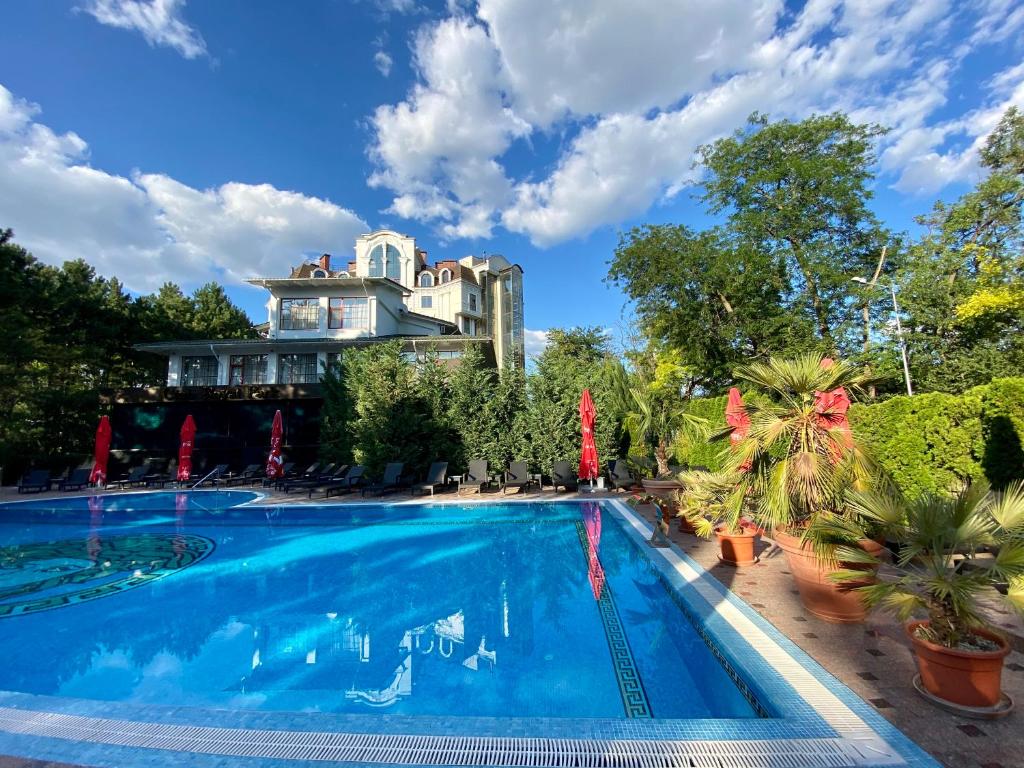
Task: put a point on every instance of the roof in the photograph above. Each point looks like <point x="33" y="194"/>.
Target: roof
<point x="258" y="345"/>
<point x="325" y="282"/>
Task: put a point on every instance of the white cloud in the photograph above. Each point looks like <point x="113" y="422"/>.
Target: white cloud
<point x="382" y="61"/>
<point x="150" y="228"/>
<point x="159" y="21"/>
<point x="638" y="85"/>
<point x="535" y="342"/>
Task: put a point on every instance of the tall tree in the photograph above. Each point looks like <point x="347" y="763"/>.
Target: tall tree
<point x="216" y="316"/>
<point x="963" y="284"/>
<point x="471" y="383"/>
<point x="799" y="193"/>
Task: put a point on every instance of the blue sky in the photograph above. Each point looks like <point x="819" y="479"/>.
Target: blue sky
<point x="165" y="140"/>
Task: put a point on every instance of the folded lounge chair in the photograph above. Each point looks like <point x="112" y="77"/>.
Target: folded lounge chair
<point x="287" y="473"/>
<point x="437" y="475"/>
<point x="35" y="481"/>
<point x="518" y="476"/>
<point x="76" y="480"/>
<point x="476" y="476"/>
<point x="352" y="480"/>
<point x="619" y="475"/>
<point x="390" y="481"/>
<point x="562" y="476"/>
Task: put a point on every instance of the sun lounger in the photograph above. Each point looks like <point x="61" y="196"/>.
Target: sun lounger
<point x="76" y="480"/>
<point x="619" y="475"/>
<point x="135" y="477"/>
<point x="476" y="476"/>
<point x="517" y="476"/>
<point x="35" y="481"/>
<point x="352" y="480"/>
<point x="389" y="482"/>
<point x="247" y="475"/>
<point x="302" y="483"/>
<point x="437" y="475"/>
<point x="287" y="473"/>
<point x="214" y="477"/>
<point x="562" y="476"/>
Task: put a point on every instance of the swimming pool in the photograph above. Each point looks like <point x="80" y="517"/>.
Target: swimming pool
<point x="540" y="619"/>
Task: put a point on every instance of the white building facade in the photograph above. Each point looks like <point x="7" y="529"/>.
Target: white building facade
<point x="389" y="291"/>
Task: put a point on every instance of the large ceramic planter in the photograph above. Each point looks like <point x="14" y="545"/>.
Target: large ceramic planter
<point x="737" y="548"/>
<point x="965" y="678"/>
<point x="663" y="489"/>
<point x="837" y="602"/>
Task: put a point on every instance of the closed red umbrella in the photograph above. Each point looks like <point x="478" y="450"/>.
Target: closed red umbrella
<point x="736" y="416"/>
<point x="275" y="464"/>
<point x="188" y="436"/>
<point x="101" y="453"/>
<point x="831" y="408"/>
<point x="589" y="464"/>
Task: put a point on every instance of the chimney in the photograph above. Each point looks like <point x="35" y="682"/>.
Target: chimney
<point x="325" y="262"/>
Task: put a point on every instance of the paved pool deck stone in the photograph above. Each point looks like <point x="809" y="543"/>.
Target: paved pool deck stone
<point x="873" y="659"/>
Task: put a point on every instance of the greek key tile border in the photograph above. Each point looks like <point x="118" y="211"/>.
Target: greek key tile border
<point x="631" y="686"/>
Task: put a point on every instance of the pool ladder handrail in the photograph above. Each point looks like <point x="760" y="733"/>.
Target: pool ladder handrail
<point x="207" y="477"/>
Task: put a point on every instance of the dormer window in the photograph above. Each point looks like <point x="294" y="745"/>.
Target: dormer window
<point x="426" y="280"/>
<point x="377" y="262"/>
<point x="446" y="275"/>
<point x="319" y="273"/>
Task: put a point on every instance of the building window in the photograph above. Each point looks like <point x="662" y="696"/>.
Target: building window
<point x="334" y="361"/>
<point x="297" y="369"/>
<point x="426" y="280"/>
<point x="247" y="369"/>
<point x="348" y="313"/>
<point x="199" y="371"/>
<point x="319" y="273"/>
<point x="394" y="268"/>
<point x="377" y="262"/>
<point x="469" y="326"/>
<point x="472" y="302"/>
<point x="446" y="275"/>
<point x="300" y="314"/>
<point x="426" y="302"/>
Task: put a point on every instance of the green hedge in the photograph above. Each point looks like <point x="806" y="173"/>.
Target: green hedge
<point x="929" y="443"/>
<point x="701" y="453"/>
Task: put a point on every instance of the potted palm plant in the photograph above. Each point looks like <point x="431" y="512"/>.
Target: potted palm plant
<point x="793" y="467"/>
<point x="707" y="502"/>
<point x="954" y="551"/>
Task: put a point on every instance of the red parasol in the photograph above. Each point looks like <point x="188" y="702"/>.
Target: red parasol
<point x="589" y="464"/>
<point x="736" y="417"/>
<point x="592" y="523"/>
<point x="101" y="453"/>
<point x="831" y="408"/>
<point x="275" y="465"/>
<point x="188" y="436"/>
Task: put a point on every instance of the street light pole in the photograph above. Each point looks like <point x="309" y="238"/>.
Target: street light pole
<point x="899" y="327"/>
<point x="903" y="343"/>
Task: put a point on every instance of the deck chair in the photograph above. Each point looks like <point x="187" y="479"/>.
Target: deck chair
<point x="352" y="480"/>
<point x="476" y="476"/>
<point x="301" y="483"/>
<point x="437" y="475"/>
<point x="76" y="480"/>
<point x="287" y="473"/>
<point x="517" y="476"/>
<point x="389" y="482"/>
<point x="213" y="477"/>
<point x="562" y="476"/>
<point x="135" y="476"/>
<point x="245" y="476"/>
<point x="35" y="481"/>
<point x="169" y="475"/>
<point x="619" y="475"/>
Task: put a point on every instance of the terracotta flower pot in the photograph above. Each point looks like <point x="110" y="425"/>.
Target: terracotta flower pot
<point x="664" y="489"/>
<point x="967" y="678"/>
<point x="737" y="548"/>
<point x="837" y="602"/>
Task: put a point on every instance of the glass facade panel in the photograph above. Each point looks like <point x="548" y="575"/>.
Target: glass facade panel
<point x="247" y="369"/>
<point x="348" y="313"/>
<point x="199" y="371"/>
<point x="300" y="314"/>
<point x="394" y="269"/>
<point x="297" y="369"/>
<point x="377" y="262"/>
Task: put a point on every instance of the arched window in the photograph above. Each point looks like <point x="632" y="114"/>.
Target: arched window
<point x="446" y="275"/>
<point x="426" y="280"/>
<point x="319" y="273"/>
<point x="377" y="262"/>
<point x="394" y="268"/>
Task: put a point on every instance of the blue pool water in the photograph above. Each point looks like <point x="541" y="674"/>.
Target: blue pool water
<point x="526" y="610"/>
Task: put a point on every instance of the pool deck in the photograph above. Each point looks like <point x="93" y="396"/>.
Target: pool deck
<point x="873" y="659"/>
